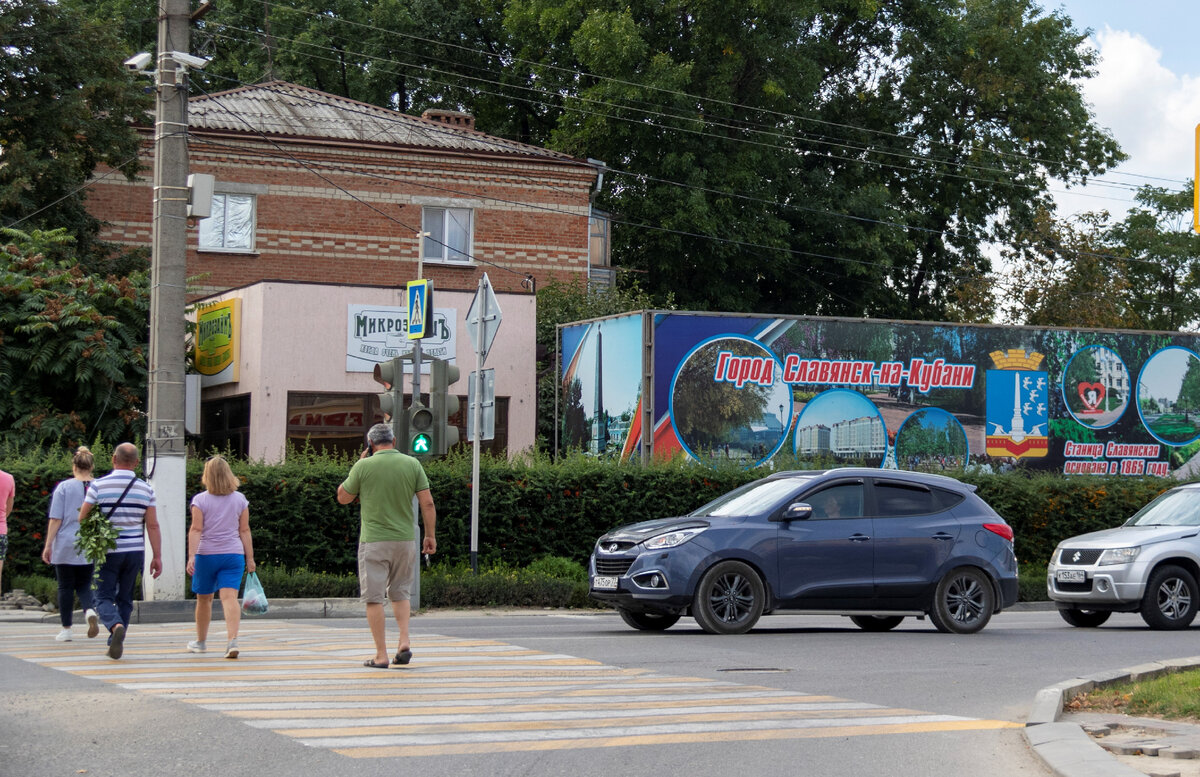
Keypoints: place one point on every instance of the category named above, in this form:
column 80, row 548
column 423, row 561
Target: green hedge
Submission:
column 530, row 508
column 1044, row 509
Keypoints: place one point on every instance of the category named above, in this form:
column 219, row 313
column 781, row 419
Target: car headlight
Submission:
column 1118, row 556
column 672, row 538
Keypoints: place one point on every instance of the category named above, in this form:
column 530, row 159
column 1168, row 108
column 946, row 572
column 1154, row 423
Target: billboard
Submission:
column 804, row 391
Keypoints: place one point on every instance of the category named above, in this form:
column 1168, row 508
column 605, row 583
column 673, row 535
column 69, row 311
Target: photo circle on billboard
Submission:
column 1168, row 396
column 729, row 401
column 843, row 426
column 1096, row 386
column 931, row 440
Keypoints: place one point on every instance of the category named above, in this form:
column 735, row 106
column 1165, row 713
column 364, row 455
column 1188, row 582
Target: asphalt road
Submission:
column 551, row 693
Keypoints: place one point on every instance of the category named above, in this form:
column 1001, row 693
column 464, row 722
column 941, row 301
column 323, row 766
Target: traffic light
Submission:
column 420, row 435
column 444, row 404
column 391, row 375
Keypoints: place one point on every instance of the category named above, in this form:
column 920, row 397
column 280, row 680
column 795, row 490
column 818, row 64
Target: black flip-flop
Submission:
column 403, row 657
column 370, row 664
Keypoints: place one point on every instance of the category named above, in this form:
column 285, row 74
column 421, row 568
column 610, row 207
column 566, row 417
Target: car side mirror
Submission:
column 796, row 511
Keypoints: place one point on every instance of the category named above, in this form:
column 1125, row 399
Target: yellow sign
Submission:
column 217, row 341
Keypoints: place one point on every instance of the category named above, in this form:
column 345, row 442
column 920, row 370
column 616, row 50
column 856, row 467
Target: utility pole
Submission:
column 168, row 271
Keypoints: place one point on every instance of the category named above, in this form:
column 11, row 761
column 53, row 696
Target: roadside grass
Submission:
column 1173, row 696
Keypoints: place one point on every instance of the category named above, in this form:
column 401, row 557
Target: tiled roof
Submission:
column 282, row 108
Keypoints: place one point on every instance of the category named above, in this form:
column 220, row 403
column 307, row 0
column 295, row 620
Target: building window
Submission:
column 339, row 422
column 447, row 235
column 331, row 422
column 225, row 425
column 231, row 225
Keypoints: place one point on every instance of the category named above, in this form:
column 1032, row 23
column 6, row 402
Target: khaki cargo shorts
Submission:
column 385, row 570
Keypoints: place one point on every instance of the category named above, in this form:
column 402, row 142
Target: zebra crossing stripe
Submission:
column 305, row 681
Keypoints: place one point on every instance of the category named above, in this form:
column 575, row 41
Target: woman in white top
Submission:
column 72, row 569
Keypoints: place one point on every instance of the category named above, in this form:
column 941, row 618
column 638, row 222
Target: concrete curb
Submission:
column 1065, row 747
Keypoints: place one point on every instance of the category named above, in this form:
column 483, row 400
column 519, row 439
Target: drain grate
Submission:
column 754, row 669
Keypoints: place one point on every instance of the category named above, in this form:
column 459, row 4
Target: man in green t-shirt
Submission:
column 385, row 481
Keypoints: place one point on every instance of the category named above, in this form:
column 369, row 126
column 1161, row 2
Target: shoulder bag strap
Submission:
column 121, row 498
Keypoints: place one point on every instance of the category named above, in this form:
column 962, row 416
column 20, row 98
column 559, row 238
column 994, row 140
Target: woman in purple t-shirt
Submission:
column 219, row 551
column 7, row 489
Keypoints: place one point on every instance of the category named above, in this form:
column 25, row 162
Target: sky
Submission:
column 1146, row 92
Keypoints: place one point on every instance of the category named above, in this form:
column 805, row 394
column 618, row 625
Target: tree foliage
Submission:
column 66, row 107
column 1142, row 272
column 72, row 346
column 791, row 156
column 1064, row 274
column 1162, row 253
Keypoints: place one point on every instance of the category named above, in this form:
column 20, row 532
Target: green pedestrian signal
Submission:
column 420, row 430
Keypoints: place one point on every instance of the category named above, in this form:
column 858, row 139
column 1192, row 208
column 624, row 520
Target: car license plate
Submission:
column 607, row 583
column 1071, row 576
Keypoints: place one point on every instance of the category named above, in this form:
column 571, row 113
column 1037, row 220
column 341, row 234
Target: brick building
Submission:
column 312, row 189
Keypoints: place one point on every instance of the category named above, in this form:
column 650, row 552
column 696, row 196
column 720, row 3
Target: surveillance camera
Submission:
column 187, row 60
column 138, row 62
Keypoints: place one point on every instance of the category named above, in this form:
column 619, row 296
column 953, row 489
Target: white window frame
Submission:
column 222, row 190
column 435, row 246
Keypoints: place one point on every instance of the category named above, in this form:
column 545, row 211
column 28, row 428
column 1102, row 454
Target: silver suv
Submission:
column 1148, row 565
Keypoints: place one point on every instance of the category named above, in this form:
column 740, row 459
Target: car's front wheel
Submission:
column 649, row 621
column 1171, row 599
column 1085, row 619
column 876, row 622
column 963, row 602
column 729, row 599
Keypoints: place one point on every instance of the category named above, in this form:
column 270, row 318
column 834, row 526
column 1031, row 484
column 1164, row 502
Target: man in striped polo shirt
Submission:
column 136, row 521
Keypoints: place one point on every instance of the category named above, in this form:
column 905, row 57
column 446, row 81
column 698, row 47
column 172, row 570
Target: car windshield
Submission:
column 752, row 499
column 1174, row 508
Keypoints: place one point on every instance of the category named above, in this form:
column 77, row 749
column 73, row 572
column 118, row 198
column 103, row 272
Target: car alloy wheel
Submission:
column 1171, row 599
column 963, row 602
column 729, row 598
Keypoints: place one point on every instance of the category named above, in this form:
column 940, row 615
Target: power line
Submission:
column 789, row 206
column 577, row 74
column 707, row 121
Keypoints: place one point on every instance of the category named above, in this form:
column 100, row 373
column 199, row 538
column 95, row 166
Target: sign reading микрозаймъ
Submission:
column 378, row 333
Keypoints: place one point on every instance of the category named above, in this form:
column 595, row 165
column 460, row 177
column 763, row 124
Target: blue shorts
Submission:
column 222, row 570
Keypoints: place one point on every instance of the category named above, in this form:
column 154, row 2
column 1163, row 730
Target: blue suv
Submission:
column 877, row 545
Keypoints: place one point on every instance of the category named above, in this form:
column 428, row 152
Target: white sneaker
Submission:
column 196, row 646
column 93, row 622
column 231, row 650
column 63, row 636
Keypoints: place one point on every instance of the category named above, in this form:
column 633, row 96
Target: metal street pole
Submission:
column 477, row 422
column 168, row 269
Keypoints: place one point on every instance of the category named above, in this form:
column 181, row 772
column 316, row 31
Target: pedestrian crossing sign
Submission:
column 420, row 309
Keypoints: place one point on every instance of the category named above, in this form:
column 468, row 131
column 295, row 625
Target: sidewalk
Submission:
column 1112, row 745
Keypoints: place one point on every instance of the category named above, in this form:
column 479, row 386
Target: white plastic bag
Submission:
column 254, row 599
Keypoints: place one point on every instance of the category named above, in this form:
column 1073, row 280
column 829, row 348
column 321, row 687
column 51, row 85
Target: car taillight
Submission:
column 1003, row 529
